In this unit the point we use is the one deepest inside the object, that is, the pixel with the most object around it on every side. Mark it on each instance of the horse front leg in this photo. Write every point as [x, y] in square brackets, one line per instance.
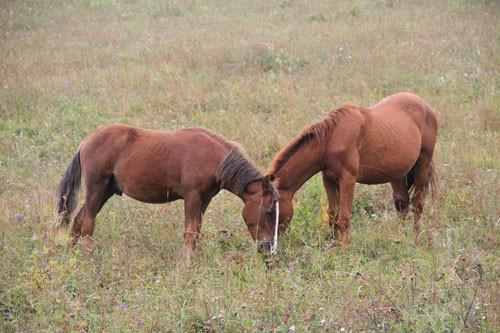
[343, 225]
[193, 214]
[332, 193]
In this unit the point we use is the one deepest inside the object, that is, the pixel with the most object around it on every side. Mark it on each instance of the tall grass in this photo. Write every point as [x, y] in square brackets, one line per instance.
[256, 72]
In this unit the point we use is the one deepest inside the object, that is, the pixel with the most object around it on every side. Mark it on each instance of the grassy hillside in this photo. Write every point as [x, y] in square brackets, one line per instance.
[256, 72]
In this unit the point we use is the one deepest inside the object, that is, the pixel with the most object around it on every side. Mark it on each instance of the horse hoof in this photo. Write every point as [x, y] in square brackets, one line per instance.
[87, 245]
[187, 255]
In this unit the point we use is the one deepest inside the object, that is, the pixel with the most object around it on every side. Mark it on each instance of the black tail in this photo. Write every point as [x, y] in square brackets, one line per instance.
[431, 185]
[67, 192]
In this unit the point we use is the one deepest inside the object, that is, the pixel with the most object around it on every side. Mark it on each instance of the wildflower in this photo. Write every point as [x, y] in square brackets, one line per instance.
[8, 314]
[122, 306]
[19, 218]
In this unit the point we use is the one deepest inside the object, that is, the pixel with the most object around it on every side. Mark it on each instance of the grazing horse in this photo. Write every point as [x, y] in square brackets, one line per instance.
[390, 142]
[193, 164]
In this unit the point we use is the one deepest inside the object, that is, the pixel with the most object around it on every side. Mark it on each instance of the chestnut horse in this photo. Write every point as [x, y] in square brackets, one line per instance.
[390, 142]
[193, 164]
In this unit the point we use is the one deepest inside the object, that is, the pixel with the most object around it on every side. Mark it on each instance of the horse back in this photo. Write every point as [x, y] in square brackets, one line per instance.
[153, 166]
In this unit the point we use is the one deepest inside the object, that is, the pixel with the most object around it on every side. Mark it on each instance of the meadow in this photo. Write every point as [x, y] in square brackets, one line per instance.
[256, 72]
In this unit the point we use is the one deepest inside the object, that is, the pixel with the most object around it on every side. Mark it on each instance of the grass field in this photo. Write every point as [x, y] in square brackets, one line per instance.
[256, 72]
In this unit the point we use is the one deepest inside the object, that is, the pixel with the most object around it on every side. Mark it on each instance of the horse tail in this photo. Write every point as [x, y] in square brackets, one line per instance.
[432, 181]
[410, 181]
[67, 192]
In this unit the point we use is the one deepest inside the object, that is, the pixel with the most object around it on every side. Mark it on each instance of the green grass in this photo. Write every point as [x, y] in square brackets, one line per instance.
[256, 72]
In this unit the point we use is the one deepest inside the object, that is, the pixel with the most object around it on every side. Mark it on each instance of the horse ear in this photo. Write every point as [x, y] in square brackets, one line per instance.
[274, 190]
[267, 184]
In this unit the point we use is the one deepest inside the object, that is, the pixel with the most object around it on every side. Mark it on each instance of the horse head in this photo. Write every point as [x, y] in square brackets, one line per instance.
[268, 214]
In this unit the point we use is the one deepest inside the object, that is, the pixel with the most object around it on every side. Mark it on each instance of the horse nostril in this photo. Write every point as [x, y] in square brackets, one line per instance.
[264, 247]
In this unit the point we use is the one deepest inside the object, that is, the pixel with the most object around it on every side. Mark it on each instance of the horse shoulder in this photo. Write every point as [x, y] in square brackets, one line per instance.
[343, 146]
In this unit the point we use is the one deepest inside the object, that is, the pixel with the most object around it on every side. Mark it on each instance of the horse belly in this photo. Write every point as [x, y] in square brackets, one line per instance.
[388, 160]
[147, 181]
[378, 173]
[147, 190]
[160, 195]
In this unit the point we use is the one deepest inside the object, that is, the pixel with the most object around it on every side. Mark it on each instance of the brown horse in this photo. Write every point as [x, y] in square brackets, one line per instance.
[193, 164]
[390, 142]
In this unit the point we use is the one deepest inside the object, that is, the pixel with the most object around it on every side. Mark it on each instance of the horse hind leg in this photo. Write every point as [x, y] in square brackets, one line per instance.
[422, 173]
[401, 197]
[97, 195]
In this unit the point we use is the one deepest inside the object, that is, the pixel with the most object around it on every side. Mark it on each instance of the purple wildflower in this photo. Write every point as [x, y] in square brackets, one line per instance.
[122, 306]
[19, 218]
[8, 314]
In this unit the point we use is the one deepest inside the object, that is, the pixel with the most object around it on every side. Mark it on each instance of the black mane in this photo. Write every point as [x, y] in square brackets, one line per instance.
[236, 171]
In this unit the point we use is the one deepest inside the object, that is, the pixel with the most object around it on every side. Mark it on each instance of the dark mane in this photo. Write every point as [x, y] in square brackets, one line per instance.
[318, 131]
[236, 171]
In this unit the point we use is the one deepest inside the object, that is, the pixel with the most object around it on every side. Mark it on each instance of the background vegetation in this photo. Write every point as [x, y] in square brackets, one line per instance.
[256, 72]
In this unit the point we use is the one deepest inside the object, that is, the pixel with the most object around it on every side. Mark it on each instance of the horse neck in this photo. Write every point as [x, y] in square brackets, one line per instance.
[236, 172]
[302, 165]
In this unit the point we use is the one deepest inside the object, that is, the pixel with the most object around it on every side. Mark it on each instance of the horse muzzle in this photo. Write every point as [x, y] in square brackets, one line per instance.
[266, 247]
